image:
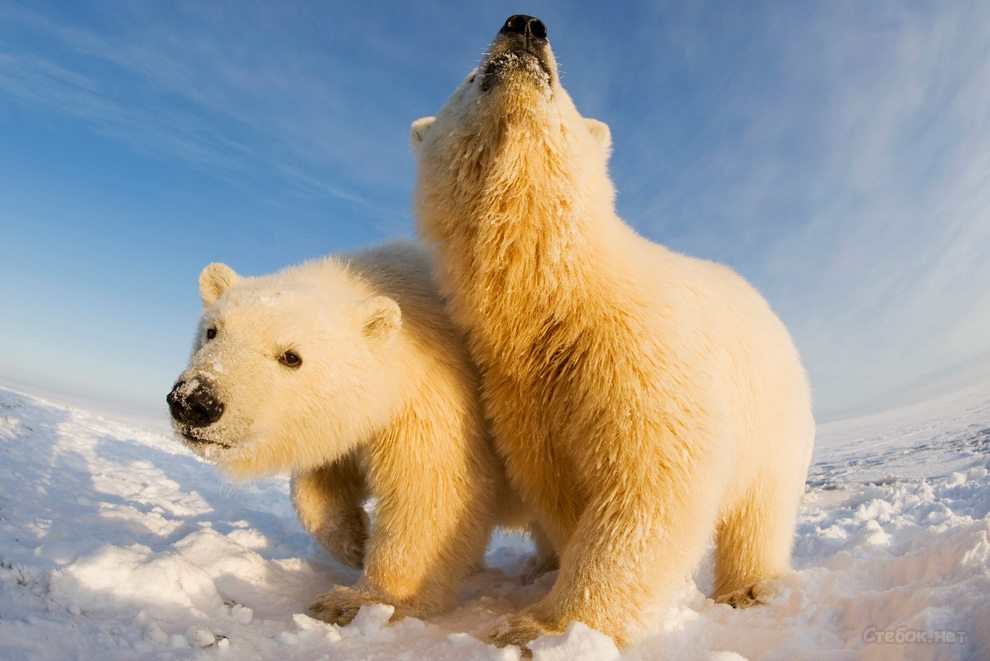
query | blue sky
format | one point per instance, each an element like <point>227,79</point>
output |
<point>836,154</point>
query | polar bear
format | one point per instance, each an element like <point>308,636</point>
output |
<point>348,372</point>
<point>644,401</point>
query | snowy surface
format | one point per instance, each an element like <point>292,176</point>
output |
<point>117,543</point>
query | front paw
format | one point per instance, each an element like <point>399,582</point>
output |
<point>755,595</point>
<point>339,606</point>
<point>519,630</point>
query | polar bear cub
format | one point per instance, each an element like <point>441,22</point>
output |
<point>347,372</point>
<point>644,401</point>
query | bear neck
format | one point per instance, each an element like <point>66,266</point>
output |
<point>520,233</point>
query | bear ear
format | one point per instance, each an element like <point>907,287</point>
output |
<point>215,279</point>
<point>601,133</point>
<point>418,130</point>
<point>382,318</point>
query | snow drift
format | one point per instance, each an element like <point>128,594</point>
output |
<point>116,543</point>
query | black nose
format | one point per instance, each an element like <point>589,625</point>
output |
<point>525,25</point>
<point>194,403</point>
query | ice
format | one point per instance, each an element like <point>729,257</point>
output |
<point>372,622</point>
<point>241,614</point>
<point>117,543</point>
<point>577,642</point>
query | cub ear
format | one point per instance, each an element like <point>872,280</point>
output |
<point>215,279</point>
<point>382,318</point>
<point>418,130</point>
<point>601,133</point>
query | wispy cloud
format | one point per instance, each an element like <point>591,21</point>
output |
<point>843,165</point>
<point>837,154</point>
<point>902,214</point>
<point>183,88</point>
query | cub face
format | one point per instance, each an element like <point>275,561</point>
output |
<point>286,373</point>
<point>509,134</point>
<point>516,81</point>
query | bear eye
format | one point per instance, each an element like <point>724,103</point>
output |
<point>290,359</point>
<point>471,79</point>
<point>211,333</point>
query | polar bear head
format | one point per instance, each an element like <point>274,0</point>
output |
<point>288,371</point>
<point>509,129</point>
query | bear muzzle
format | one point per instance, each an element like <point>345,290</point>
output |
<point>194,403</point>
<point>527,26</point>
<point>521,45</point>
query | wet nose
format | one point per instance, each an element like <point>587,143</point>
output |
<point>194,403</point>
<point>525,25</point>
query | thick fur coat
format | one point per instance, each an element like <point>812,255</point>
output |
<point>348,372</point>
<point>644,401</point>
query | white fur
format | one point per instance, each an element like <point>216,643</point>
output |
<point>644,400</point>
<point>384,404</point>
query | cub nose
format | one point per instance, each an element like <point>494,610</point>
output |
<point>194,403</point>
<point>525,25</point>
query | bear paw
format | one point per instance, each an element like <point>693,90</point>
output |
<point>339,606</point>
<point>519,630</point>
<point>754,595</point>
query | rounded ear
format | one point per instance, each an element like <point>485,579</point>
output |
<point>601,133</point>
<point>418,130</point>
<point>382,318</point>
<point>215,279</point>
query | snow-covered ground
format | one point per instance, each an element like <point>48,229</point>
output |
<point>116,543</point>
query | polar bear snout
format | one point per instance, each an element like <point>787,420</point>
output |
<point>520,45</point>
<point>195,402</point>
<point>528,26</point>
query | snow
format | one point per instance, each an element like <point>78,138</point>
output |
<point>117,543</point>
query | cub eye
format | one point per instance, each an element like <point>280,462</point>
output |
<point>211,333</point>
<point>290,359</point>
<point>471,79</point>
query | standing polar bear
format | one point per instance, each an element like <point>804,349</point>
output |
<point>643,400</point>
<point>348,372</point>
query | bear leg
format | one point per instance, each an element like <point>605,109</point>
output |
<point>753,544</point>
<point>545,560</point>
<point>329,502</point>
<point>433,519</point>
<point>417,563</point>
<point>621,551</point>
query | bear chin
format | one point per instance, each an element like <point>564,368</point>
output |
<point>206,448</point>
<point>516,62</point>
